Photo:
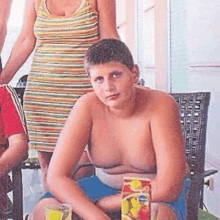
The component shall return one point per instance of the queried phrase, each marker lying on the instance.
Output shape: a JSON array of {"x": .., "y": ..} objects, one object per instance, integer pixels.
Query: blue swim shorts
[
  {"x": 180, "y": 205},
  {"x": 95, "y": 190},
  {"x": 92, "y": 187}
]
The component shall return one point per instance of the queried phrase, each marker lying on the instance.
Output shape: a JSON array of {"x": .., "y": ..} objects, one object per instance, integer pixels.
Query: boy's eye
[
  {"x": 98, "y": 79},
  {"x": 116, "y": 74}
]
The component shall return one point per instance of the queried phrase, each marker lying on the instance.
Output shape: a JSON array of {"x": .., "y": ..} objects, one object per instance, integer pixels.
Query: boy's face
[{"x": 113, "y": 83}]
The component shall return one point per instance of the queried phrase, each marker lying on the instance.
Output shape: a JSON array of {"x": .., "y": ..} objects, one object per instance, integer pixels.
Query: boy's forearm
[
  {"x": 110, "y": 203},
  {"x": 12, "y": 156},
  {"x": 164, "y": 191},
  {"x": 72, "y": 194}
]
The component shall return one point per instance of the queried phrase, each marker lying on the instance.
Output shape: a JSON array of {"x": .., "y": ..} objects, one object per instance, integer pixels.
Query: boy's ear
[{"x": 135, "y": 73}]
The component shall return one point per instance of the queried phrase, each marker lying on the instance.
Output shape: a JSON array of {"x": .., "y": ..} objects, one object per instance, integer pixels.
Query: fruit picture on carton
[{"x": 136, "y": 196}]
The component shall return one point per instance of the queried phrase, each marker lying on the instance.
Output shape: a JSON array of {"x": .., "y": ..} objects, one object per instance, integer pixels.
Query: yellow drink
[{"x": 58, "y": 212}]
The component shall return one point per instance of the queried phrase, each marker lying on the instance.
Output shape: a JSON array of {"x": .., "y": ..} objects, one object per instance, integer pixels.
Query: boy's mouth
[{"x": 113, "y": 96}]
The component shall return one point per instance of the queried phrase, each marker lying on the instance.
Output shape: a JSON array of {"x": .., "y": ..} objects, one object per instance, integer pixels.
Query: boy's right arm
[
  {"x": 70, "y": 146},
  {"x": 23, "y": 46}
]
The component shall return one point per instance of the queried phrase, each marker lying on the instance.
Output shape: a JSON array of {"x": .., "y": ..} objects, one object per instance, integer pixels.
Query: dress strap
[
  {"x": 83, "y": 3},
  {"x": 43, "y": 4},
  {"x": 40, "y": 6},
  {"x": 86, "y": 2}
]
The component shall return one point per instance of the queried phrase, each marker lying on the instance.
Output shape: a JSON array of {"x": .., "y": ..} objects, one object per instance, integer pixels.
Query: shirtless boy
[{"x": 130, "y": 131}]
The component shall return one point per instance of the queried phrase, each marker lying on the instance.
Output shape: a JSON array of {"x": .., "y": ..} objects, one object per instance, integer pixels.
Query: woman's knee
[{"x": 44, "y": 159}]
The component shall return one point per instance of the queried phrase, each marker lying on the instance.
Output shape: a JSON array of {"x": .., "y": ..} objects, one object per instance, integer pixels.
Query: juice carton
[{"x": 136, "y": 197}]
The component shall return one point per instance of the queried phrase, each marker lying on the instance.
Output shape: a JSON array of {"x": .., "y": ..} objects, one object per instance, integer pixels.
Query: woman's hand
[{"x": 23, "y": 46}]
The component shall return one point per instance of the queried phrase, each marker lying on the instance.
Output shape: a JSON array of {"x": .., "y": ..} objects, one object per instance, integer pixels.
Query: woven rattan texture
[
  {"x": 193, "y": 108},
  {"x": 193, "y": 113}
]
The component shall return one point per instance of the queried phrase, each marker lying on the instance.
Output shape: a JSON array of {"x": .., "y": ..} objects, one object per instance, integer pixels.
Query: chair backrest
[
  {"x": 193, "y": 108},
  {"x": 22, "y": 81},
  {"x": 20, "y": 93},
  {"x": 15, "y": 211}
]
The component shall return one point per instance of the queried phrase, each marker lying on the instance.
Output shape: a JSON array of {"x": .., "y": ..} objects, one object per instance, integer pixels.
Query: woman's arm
[
  {"x": 169, "y": 149},
  {"x": 68, "y": 151},
  {"x": 107, "y": 19},
  {"x": 23, "y": 46}
]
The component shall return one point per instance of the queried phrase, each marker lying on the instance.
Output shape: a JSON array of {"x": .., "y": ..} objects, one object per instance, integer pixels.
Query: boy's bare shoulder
[
  {"x": 89, "y": 97},
  {"x": 89, "y": 100},
  {"x": 155, "y": 98}
]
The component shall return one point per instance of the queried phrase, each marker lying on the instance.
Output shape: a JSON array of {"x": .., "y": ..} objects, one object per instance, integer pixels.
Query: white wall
[
  {"x": 126, "y": 22},
  {"x": 203, "y": 21},
  {"x": 196, "y": 67}
]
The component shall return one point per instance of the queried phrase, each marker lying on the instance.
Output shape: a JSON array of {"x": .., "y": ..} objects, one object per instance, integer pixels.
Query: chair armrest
[
  {"x": 83, "y": 165},
  {"x": 202, "y": 175},
  {"x": 30, "y": 163},
  {"x": 209, "y": 172}
]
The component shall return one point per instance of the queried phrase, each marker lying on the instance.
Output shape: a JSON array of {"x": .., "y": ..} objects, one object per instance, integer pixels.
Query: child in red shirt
[{"x": 13, "y": 138}]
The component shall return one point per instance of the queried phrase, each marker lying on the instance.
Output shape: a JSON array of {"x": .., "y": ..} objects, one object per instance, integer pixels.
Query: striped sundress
[{"x": 57, "y": 77}]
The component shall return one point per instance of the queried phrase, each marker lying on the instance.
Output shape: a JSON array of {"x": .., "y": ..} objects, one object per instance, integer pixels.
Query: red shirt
[{"x": 12, "y": 120}]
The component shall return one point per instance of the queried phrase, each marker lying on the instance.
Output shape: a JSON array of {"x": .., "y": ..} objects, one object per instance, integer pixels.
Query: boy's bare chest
[{"x": 122, "y": 142}]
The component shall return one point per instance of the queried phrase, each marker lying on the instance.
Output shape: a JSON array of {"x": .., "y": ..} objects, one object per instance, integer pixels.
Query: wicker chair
[
  {"x": 16, "y": 213},
  {"x": 193, "y": 108}
]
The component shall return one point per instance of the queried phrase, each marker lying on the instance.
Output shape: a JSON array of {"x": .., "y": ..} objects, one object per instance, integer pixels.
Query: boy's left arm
[{"x": 169, "y": 149}]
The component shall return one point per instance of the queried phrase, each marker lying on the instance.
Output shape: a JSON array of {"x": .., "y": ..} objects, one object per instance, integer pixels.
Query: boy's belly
[{"x": 115, "y": 180}]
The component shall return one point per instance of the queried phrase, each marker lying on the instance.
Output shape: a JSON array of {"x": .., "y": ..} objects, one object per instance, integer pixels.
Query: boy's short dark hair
[{"x": 108, "y": 50}]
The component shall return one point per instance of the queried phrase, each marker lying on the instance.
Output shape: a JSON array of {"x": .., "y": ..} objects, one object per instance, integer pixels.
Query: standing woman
[{"x": 60, "y": 31}]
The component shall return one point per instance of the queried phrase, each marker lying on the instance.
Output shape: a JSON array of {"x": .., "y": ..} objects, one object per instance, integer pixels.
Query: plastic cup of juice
[{"x": 58, "y": 212}]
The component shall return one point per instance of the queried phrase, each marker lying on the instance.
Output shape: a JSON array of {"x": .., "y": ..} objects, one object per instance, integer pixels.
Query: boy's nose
[{"x": 109, "y": 85}]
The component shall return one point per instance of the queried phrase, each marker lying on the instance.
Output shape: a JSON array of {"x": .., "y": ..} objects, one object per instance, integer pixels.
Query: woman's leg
[{"x": 44, "y": 160}]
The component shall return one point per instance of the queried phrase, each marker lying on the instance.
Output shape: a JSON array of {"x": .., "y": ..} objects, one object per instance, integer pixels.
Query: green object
[{"x": 205, "y": 215}]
